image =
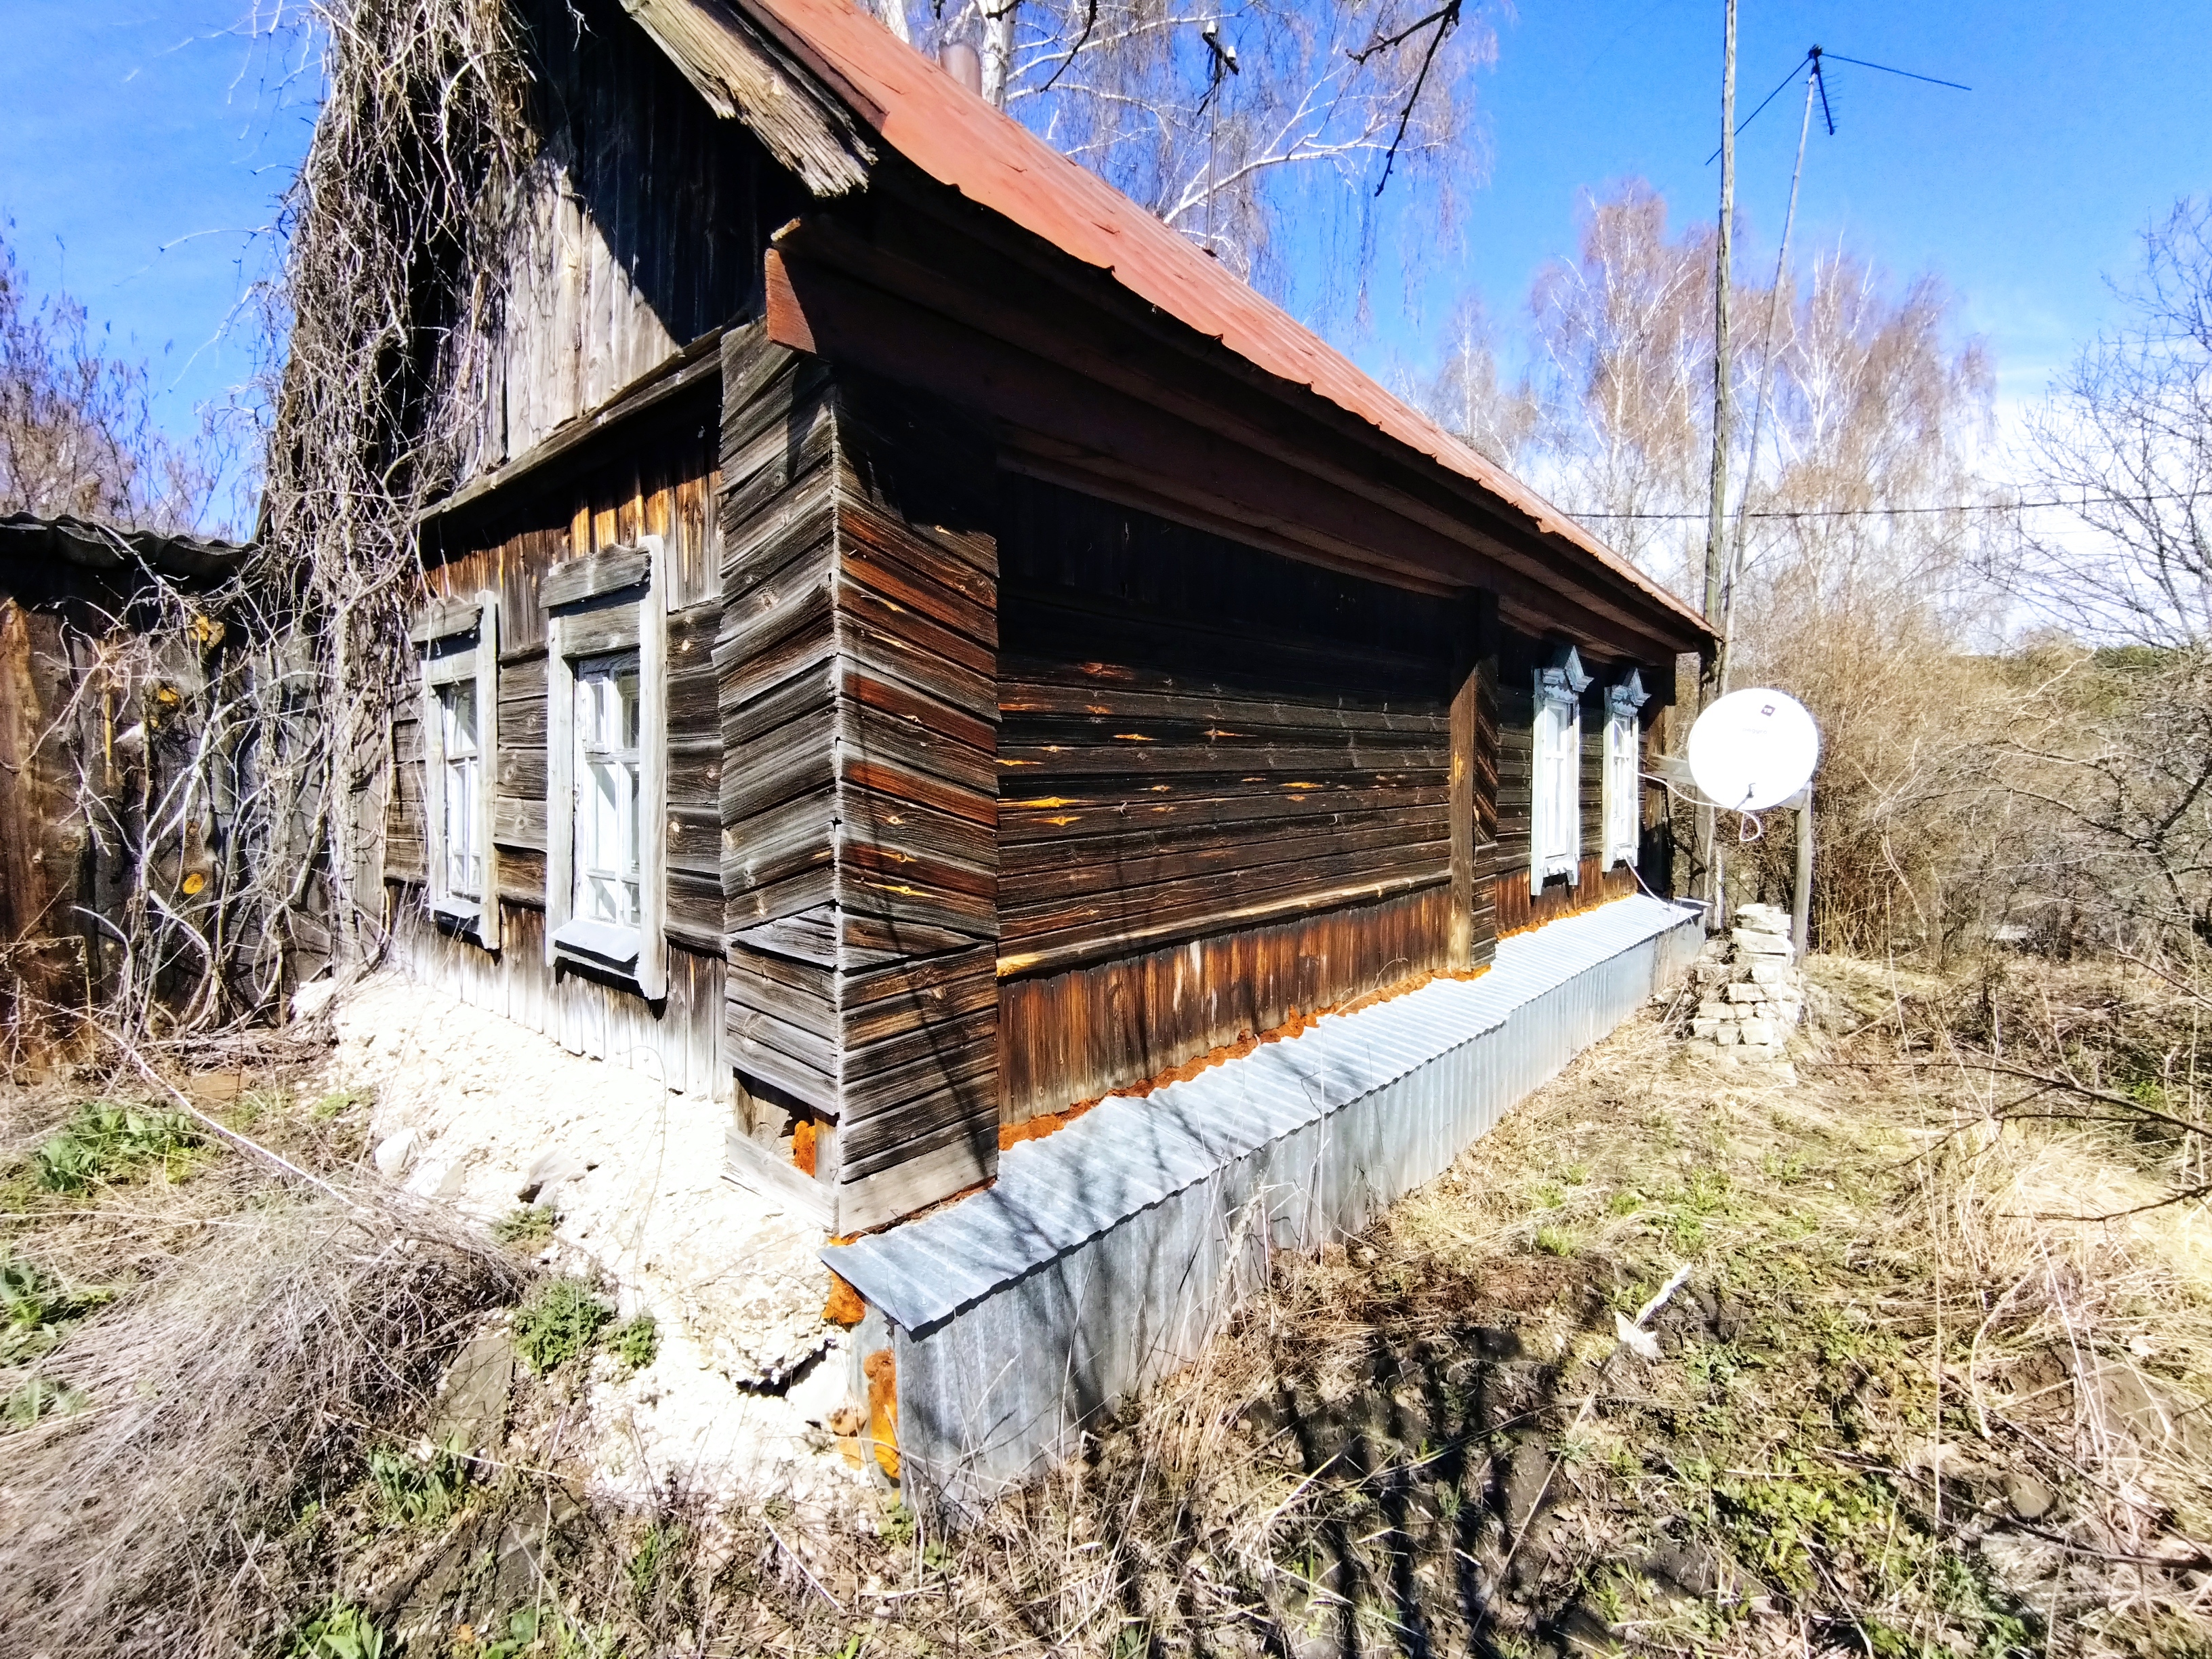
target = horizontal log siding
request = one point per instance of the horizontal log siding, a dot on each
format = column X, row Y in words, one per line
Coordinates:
column 641, row 228
column 656, row 476
column 1073, row 1036
column 1202, row 742
column 857, row 696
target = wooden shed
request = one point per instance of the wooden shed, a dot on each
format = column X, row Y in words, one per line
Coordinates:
column 922, row 647
column 117, row 856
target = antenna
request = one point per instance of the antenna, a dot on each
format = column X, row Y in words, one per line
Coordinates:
column 1815, row 57
column 1753, row 749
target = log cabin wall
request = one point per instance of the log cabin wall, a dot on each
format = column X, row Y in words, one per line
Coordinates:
column 1514, row 908
column 655, row 477
column 858, row 694
column 642, row 232
column 1224, row 795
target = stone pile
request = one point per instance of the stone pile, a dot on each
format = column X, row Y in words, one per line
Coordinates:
column 1750, row 991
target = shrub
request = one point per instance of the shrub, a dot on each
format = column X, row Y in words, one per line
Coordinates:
column 563, row 1319
column 108, row 1141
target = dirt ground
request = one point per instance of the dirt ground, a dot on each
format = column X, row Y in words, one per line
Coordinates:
column 1906, row 1401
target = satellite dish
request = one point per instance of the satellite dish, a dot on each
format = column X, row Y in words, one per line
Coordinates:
column 1753, row 749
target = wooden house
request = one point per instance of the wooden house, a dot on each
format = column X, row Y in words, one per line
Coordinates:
column 921, row 647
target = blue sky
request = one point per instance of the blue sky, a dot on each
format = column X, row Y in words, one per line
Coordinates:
column 145, row 172
column 2084, row 121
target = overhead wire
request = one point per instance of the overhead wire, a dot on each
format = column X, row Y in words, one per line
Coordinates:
column 2082, row 504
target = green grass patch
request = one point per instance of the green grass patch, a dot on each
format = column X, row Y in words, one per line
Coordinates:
column 525, row 1223
column 36, row 1308
column 637, row 1342
column 423, row 1488
column 563, row 1319
column 108, row 1141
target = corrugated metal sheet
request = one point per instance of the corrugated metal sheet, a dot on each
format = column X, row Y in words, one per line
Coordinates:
column 1107, row 1253
column 960, row 140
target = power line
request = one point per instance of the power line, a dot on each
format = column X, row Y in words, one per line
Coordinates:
column 2079, row 505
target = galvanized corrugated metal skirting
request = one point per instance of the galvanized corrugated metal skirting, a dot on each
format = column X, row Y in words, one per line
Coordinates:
column 1110, row 1253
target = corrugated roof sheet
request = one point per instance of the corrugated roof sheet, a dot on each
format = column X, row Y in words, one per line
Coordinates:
column 1125, row 1155
column 960, row 140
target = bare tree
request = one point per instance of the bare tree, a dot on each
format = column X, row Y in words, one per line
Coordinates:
column 1228, row 120
column 2128, row 438
column 1467, row 398
column 76, row 429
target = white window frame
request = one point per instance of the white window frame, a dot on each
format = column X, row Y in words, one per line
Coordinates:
column 458, row 640
column 599, row 607
column 1623, row 769
column 1555, row 771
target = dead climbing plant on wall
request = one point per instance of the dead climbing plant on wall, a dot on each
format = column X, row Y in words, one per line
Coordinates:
column 387, row 303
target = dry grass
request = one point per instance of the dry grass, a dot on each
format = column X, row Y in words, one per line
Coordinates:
column 251, row 1335
column 1897, row 1410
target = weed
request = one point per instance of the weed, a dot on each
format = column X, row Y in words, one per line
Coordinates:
column 525, row 1223
column 1626, row 1201
column 1553, row 1240
column 108, row 1141
column 651, row 1556
column 421, row 1488
column 341, row 1631
column 563, row 1319
column 257, row 1104
column 1550, row 1196
column 636, row 1343
column 1575, row 1174
column 898, row 1526
column 35, row 1308
column 339, row 1102
column 35, row 1397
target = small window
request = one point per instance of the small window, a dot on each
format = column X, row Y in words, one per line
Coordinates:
column 1555, row 772
column 608, row 778
column 606, row 796
column 1623, row 770
column 463, row 764
column 458, row 638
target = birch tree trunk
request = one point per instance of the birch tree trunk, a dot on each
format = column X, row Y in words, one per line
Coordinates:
column 998, row 48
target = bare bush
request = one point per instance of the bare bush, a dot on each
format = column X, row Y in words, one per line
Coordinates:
column 152, row 1518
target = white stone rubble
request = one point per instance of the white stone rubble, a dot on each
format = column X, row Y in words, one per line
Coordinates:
column 486, row 1115
column 1751, row 994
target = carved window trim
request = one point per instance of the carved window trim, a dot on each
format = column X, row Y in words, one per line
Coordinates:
column 1623, row 769
column 598, row 607
column 459, row 641
column 1555, row 771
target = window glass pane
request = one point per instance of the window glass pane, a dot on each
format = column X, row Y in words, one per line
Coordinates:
column 607, row 784
column 462, row 871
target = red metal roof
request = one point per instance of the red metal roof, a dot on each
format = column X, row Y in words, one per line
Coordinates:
column 957, row 139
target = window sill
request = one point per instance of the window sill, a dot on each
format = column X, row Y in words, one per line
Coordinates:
column 600, row 944
column 459, row 916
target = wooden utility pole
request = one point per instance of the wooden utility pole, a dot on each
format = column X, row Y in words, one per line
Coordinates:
column 1717, row 522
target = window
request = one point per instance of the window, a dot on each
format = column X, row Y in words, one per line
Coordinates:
column 1623, row 769
column 607, row 776
column 606, row 748
column 1555, row 771
column 458, row 638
